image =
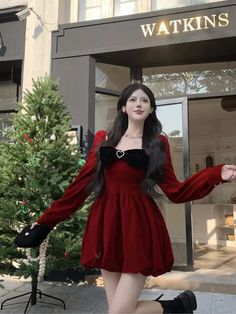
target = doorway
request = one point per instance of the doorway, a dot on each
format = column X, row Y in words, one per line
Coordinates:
column 212, row 133
column 173, row 115
column 201, row 134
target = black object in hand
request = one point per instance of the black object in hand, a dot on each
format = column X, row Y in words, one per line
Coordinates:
column 32, row 237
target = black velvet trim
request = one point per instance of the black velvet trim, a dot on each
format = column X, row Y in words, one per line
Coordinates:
column 137, row 158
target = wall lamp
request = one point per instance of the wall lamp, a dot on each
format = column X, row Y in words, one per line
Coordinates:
column 228, row 103
column 23, row 14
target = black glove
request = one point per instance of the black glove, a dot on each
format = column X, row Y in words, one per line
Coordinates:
column 32, row 237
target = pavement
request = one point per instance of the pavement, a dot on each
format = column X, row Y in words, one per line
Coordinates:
column 89, row 296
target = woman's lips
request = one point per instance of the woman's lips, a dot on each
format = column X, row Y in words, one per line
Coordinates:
column 138, row 111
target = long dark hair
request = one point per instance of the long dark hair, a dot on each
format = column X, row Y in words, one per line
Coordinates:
column 151, row 143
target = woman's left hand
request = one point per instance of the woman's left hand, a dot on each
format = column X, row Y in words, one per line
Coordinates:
column 228, row 173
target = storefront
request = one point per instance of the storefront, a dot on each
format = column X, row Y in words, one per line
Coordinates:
column 12, row 43
column 187, row 58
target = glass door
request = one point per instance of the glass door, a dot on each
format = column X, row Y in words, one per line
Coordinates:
column 110, row 80
column 173, row 114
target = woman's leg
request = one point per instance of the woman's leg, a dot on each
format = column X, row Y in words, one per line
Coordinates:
column 123, row 291
column 125, row 298
column 111, row 280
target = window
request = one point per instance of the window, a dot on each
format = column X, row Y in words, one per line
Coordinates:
column 170, row 4
column 105, row 111
column 99, row 9
column 125, row 7
column 112, row 76
column 184, row 80
column 95, row 9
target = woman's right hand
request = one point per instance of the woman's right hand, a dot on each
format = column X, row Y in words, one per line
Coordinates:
column 33, row 225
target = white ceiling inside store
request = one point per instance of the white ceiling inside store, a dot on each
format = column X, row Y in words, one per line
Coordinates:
column 203, row 110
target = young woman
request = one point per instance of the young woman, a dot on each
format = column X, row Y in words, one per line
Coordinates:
column 126, row 236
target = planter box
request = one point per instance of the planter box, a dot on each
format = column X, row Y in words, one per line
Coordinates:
column 70, row 275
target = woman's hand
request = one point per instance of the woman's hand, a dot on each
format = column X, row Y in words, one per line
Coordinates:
column 33, row 225
column 228, row 173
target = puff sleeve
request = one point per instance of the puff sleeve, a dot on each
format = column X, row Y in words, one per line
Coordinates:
column 195, row 187
column 75, row 194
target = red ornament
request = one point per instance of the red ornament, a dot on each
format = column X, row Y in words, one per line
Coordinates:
column 27, row 138
column 23, row 202
column 66, row 254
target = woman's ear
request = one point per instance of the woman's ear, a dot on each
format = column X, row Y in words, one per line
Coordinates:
column 123, row 109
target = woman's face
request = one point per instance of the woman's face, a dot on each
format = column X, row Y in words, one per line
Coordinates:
column 138, row 106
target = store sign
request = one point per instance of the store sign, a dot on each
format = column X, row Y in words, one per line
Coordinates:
column 192, row 24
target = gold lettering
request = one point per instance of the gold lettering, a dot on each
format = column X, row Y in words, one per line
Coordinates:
column 208, row 20
column 175, row 23
column 198, row 20
column 148, row 29
column 162, row 29
column 223, row 17
column 187, row 23
column 184, row 25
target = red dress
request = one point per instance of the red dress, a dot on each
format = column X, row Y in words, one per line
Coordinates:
column 125, row 231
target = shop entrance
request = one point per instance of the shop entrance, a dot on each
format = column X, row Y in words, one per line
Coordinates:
column 212, row 132
column 201, row 131
column 173, row 114
column 201, row 134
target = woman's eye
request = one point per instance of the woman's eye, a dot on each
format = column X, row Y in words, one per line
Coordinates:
column 145, row 100
column 132, row 99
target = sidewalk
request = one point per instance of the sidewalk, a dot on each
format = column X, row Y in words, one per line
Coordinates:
column 85, row 298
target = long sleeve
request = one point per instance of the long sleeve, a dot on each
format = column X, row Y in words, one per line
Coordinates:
column 195, row 187
column 75, row 194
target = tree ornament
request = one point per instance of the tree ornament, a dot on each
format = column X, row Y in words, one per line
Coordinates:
column 23, row 202
column 27, row 138
column 52, row 137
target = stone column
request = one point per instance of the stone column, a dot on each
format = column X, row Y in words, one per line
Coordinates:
column 43, row 19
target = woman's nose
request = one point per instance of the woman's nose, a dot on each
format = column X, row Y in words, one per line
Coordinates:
column 138, row 102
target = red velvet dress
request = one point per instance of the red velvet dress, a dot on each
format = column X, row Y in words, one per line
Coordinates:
column 125, row 231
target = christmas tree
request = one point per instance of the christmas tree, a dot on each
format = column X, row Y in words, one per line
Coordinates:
column 37, row 163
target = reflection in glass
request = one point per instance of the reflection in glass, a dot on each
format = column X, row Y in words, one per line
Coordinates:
column 125, row 7
column 8, row 92
column 112, row 76
column 98, row 9
column 95, row 9
column 5, row 125
column 172, row 117
column 170, row 4
column 105, row 111
column 174, row 214
column 192, row 79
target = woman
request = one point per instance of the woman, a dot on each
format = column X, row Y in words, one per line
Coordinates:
column 126, row 236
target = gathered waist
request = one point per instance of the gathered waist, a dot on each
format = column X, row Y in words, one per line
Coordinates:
column 119, row 185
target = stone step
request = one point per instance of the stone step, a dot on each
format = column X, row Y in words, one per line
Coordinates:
column 203, row 280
